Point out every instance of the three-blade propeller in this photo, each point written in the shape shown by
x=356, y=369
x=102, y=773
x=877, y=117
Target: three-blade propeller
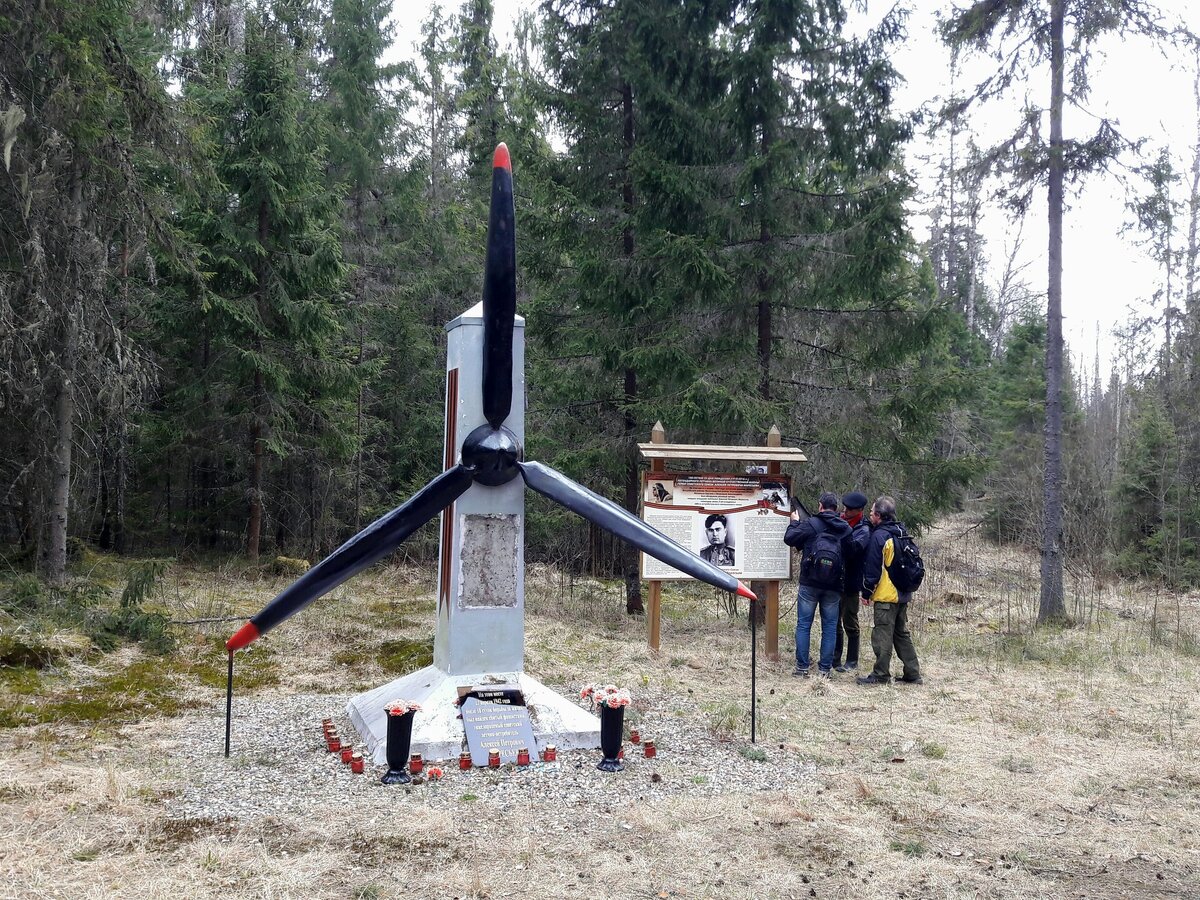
x=491, y=456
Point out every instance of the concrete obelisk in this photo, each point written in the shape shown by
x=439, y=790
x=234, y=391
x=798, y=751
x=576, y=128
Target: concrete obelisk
x=480, y=636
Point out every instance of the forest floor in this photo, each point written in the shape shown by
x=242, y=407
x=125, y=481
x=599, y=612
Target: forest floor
x=1050, y=763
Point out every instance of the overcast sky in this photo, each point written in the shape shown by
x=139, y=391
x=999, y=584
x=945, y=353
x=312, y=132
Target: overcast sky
x=1105, y=274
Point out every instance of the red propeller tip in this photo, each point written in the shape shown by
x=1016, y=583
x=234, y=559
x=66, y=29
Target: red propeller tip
x=245, y=635
x=744, y=591
x=501, y=160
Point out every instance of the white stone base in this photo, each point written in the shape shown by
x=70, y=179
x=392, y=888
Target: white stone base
x=438, y=731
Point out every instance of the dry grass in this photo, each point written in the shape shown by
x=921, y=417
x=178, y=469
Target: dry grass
x=1032, y=764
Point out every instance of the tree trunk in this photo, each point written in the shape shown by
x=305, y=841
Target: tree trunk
x=1051, y=606
x=1192, y=251
x=257, y=429
x=60, y=470
x=629, y=554
x=358, y=452
x=54, y=550
x=763, y=283
x=764, y=286
x=972, y=255
x=254, y=528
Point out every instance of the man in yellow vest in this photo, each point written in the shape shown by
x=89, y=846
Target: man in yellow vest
x=891, y=605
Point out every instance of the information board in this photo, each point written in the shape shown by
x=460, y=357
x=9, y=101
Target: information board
x=734, y=521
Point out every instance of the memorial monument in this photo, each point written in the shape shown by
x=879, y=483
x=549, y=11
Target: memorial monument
x=480, y=639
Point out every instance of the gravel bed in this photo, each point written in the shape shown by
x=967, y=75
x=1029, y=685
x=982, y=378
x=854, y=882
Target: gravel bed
x=279, y=766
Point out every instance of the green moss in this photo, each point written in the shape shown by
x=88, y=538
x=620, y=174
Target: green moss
x=253, y=667
x=143, y=688
x=148, y=687
x=20, y=680
x=26, y=652
x=394, y=657
x=405, y=655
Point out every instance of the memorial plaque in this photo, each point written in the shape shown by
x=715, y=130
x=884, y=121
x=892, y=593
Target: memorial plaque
x=496, y=726
x=507, y=694
x=733, y=521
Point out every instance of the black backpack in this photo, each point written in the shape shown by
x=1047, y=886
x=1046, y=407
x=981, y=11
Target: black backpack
x=907, y=570
x=822, y=564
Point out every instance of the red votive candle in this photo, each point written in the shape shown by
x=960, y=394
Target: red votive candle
x=335, y=742
x=347, y=753
x=649, y=749
x=464, y=761
x=523, y=756
x=635, y=736
x=494, y=759
x=550, y=754
x=356, y=764
x=416, y=764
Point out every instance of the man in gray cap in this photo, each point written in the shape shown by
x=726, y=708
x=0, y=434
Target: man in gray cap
x=853, y=505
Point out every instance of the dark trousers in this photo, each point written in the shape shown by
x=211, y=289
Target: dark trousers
x=847, y=632
x=891, y=630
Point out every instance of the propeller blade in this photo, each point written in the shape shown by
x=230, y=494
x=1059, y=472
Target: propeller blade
x=370, y=545
x=627, y=527
x=499, y=294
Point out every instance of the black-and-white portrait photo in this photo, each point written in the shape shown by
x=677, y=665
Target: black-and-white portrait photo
x=718, y=541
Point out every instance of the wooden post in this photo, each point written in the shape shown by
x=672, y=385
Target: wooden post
x=772, y=636
x=658, y=435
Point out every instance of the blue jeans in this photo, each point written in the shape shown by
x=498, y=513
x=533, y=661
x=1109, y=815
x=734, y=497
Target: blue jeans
x=830, y=603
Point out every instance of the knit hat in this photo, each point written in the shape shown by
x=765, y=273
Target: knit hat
x=854, y=500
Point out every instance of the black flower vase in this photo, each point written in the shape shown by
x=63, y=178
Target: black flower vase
x=612, y=722
x=399, y=741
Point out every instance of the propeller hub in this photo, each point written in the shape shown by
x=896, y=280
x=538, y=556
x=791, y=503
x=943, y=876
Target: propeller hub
x=493, y=454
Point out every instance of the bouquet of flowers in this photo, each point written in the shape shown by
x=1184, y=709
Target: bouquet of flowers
x=400, y=707
x=605, y=695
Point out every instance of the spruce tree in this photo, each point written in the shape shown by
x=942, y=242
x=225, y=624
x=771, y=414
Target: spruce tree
x=268, y=320
x=1032, y=37
x=366, y=100
x=634, y=90
x=89, y=143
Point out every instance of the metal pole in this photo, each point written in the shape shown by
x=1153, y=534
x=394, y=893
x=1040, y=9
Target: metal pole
x=228, y=703
x=753, y=675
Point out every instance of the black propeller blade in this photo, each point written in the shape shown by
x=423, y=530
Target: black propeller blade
x=491, y=455
x=368, y=546
x=627, y=527
x=499, y=294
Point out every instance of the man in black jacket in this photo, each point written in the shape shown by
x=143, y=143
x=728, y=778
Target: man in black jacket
x=853, y=505
x=823, y=543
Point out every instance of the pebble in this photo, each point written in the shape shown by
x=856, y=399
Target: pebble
x=279, y=765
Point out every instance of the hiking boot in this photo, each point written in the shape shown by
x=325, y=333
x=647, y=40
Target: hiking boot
x=825, y=673
x=916, y=679
x=800, y=673
x=871, y=679
x=847, y=667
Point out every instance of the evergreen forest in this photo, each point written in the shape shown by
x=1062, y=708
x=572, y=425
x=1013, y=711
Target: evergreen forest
x=234, y=230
